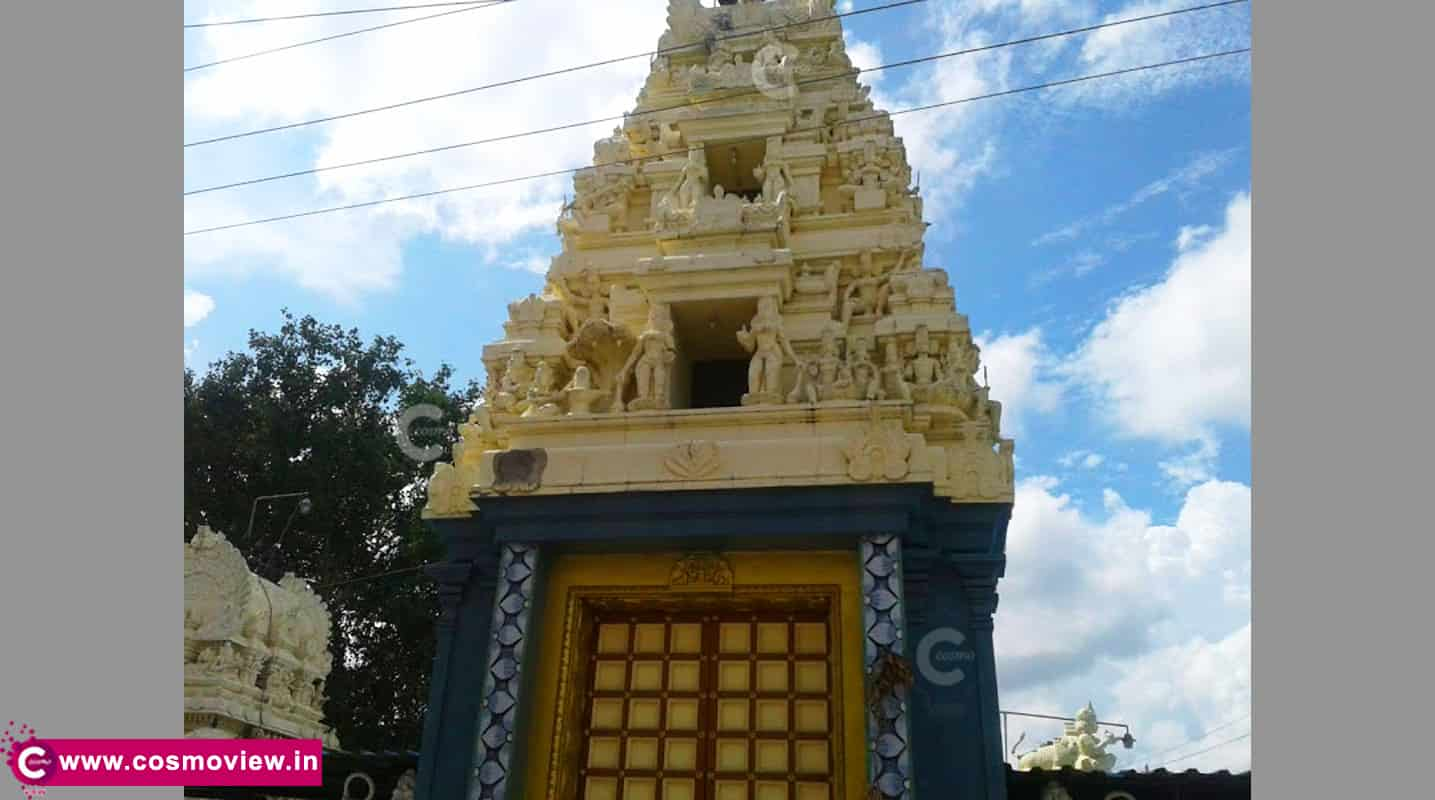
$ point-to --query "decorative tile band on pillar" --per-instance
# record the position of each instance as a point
(889, 677)
(512, 615)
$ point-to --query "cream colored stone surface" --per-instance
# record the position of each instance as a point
(1078, 748)
(256, 653)
(754, 205)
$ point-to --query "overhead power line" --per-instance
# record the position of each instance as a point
(678, 106)
(536, 176)
(218, 23)
(474, 7)
(1184, 744)
(537, 76)
(1203, 752)
(376, 576)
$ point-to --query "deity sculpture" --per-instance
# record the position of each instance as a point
(834, 376)
(724, 67)
(866, 296)
(580, 393)
(924, 371)
(513, 386)
(586, 296)
(611, 198)
(868, 386)
(1078, 748)
(962, 361)
(776, 178)
(650, 362)
(806, 387)
(893, 383)
(871, 176)
(767, 341)
(774, 70)
(543, 395)
(680, 201)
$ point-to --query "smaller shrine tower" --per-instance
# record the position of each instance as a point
(729, 520)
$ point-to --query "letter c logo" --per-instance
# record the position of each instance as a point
(35, 763)
(925, 663)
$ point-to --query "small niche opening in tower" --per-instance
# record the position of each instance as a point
(713, 372)
(731, 166)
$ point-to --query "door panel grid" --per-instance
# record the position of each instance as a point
(709, 707)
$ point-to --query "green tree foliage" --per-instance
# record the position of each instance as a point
(314, 408)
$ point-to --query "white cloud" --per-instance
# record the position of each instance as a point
(1018, 366)
(1193, 466)
(1189, 697)
(1158, 40)
(350, 254)
(1172, 361)
(951, 148)
(1182, 179)
(956, 146)
(1164, 609)
(197, 306)
(1083, 458)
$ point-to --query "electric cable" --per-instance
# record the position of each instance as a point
(875, 115)
(851, 73)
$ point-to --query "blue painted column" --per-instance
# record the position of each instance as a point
(889, 760)
(956, 730)
(465, 593)
(495, 759)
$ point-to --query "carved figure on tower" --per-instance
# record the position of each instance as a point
(513, 386)
(866, 296)
(768, 343)
(963, 358)
(679, 204)
(894, 384)
(580, 392)
(585, 298)
(867, 383)
(834, 376)
(650, 363)
(774, 173)
(543, 395)
(924, 370)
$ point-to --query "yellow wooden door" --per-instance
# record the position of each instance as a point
(709, 707)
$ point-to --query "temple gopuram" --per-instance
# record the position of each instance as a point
(729, 520)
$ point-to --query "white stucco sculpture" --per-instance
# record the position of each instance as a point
(768, 343)
(1078, 748)
(256, 653)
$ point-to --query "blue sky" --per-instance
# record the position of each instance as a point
(1097, 237)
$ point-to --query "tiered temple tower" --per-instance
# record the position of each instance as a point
(729, 521)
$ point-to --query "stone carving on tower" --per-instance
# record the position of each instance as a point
(754, 209)
(256, 653)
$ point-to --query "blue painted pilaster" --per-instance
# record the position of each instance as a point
(465, 590)
(496, 758)
(889, 757)
(952, 566)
